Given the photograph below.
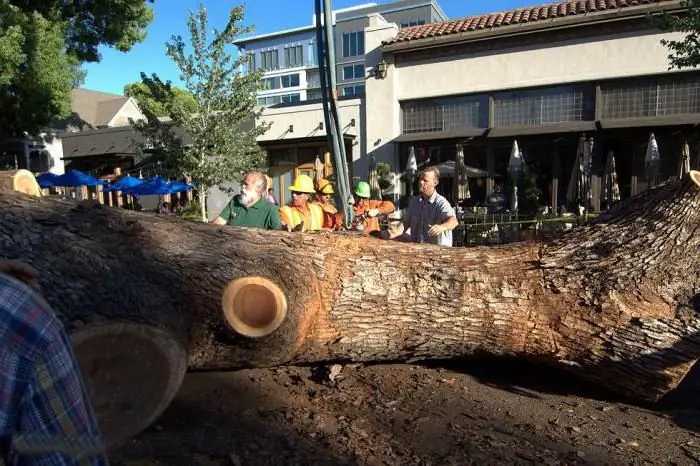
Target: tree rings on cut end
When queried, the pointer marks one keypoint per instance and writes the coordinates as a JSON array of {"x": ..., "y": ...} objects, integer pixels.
[
  {"x": 21, "y": 181},
  {"x": 254, "y": 306},
  {"x": 132, "y": 372},
  {"x": 695, "y": 176}
]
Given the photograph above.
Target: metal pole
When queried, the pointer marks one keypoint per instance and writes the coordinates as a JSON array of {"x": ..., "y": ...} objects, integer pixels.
[{"x": 339, "y": 155}]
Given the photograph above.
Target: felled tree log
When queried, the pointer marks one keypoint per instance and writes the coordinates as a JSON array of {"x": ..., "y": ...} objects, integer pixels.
[
  {"x": 22, "y": 181},
  {"x": 146, "y": 296}
]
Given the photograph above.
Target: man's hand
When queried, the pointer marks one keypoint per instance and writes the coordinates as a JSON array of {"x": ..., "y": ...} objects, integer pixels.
[
  {"x": 20, "y": 271},
  {"x": 219, "y": 221},
  {"x": 373, "y": 212},
  {"x": 435, "y": 230}
]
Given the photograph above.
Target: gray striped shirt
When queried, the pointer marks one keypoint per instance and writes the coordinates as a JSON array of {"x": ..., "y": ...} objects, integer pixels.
[{"x": 422, "y": 214}]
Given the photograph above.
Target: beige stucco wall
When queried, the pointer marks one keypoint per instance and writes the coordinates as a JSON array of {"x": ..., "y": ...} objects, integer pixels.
[
  {"x": 306, "y": 119},
  {"x": 382, "y": 109},
  {"x": 629, "y": 54}
]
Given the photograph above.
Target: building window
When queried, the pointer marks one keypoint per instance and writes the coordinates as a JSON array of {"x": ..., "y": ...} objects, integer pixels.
[
  {"x": 353, "y": 44},
  {"x": 412, "y": 22},
  {"x": 358, "y": 90},
  {"x": 313, "y": 79},
  {"x": 250, "y": 63},
  {"x": 290, "y": 98},
  {"x": 354, "y": 72},
  {"x": 669, "y": 95},
  {"x": 446, "y": 114},
  {"x": 267, "y": 101},
  {"x": 313, "y": 54},
  {"x": 290, "y": 80},
  {"x": 271, "y": 83},
  {"x": 544, "y": 106},
  {"x": 313, "y": 95},
  {"x": 294, "y": 56},
  {"x": 269, "y": 60}
]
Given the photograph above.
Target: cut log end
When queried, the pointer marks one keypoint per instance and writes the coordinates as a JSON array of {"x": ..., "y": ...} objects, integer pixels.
[
  {"x": 21, "y": 181},
  {"x": 131, "y": 372},
  {"x": 254, "y": 306},
  {"x": 695, "y": 176}
]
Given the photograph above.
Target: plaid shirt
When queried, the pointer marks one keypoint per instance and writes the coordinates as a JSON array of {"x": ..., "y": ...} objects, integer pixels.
[{"x": 45, "y": 415}]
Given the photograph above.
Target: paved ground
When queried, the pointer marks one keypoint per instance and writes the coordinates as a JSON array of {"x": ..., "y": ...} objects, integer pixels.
[{"x": 490, "y": 411}]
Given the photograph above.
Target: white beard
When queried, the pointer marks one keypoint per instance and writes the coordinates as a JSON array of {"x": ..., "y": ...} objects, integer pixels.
[{"x": 249, "y": 197}]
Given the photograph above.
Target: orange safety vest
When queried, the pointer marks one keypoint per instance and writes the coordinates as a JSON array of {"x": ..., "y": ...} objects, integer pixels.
[{"x": 312, "y": 218}]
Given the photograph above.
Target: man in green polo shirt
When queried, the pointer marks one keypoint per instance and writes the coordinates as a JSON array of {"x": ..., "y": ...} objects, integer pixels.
[{"x": 249, "y": 208}]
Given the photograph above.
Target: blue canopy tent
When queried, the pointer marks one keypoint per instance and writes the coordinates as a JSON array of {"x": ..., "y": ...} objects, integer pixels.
[
  {"x": 47, "y": 180},
  {"x": 124, "y": 184},
  {"x": 152, "y": 186},
  {"x": 179, "y": 187},
  {"x": 75, "y": 178}
]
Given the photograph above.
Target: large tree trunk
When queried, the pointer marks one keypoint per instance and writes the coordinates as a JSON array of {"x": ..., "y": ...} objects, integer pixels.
[{"x": 613, "y": 301}]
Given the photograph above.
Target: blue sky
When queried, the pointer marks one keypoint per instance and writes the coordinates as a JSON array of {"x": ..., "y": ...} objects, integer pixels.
[{"x": 117, "y": 69}]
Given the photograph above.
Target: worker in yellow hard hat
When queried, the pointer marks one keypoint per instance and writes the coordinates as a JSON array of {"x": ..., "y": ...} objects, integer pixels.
[
  {"x": 301, "y": 214},
  {"x": 324, "y": 198}
]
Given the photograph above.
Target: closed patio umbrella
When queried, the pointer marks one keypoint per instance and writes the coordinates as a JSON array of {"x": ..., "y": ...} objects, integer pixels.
[
  {"x": 319, "y": 168},
  {"x": 411, "y": 170},
  {"x": 461, "y": 179},
  {"x": 684, "y": 168},
  {"x": 516, "y": 164},
  {"x": 611, "y": 189},
  {"x": 373, "y": 179},
  {"x": 652, "y": 162},
  {"x": 576, "y": 191}
]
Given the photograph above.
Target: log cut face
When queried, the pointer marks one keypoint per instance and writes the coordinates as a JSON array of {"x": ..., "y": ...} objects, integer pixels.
[{"x": 613, "y": 301}]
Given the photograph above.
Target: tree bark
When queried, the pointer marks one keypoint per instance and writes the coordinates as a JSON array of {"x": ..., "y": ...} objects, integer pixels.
[{"x": 613, "y": 301}]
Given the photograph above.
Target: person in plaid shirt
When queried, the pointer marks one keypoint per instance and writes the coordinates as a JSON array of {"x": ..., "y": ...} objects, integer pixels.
[{"x": 45, "y": 414}]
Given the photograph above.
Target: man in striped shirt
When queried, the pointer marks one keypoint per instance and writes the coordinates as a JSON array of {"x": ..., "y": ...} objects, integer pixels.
[{"x": 45, "y": 415}]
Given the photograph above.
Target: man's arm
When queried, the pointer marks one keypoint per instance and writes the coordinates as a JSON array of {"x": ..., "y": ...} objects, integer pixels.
[
  {"x": 56, "y": 424},
  {"x": 450, "y": 222},
  {"x": 275, "y": 222},
  {"x": 402, "y": 233},
  {"x": 382, "y": 207},
  {"x": 223, "y": 217}
]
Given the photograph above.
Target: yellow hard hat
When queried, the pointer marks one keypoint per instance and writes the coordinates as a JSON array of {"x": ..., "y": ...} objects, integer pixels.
[
  {"x": 303, "y": 184},
  {"x": 325, "y": 187}
]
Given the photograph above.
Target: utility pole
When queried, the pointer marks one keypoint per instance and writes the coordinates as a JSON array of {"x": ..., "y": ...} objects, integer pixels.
[{"x": 329, "y": 93}]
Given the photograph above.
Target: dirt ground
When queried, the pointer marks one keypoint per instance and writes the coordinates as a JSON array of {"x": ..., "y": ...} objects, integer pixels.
[{"x": 486, "y": 411}]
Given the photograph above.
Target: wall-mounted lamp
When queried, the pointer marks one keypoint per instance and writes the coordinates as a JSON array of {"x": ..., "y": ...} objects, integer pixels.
[
  {"x": 352, "y": 123},
  {"x": 291, "y": 129},
  {"x": 320, "y": 126},
  {"x": 380, "y": 70}
]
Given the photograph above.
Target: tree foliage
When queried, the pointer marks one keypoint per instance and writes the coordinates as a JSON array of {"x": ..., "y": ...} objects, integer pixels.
[
  {"x": 685, "y": 53},
  {"x": 43, "y": 43},
  {"x": 149, "y": 103},
  {"x": 217, "y": 142}
]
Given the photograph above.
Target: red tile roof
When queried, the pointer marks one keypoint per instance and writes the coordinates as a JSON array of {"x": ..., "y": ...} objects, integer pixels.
[{"x": 505, "y": 19}]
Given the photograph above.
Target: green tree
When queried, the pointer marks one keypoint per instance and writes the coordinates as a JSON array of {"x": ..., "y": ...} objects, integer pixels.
[
  {"x": 217, "y": 142},
  {"x": 148, "y": 102},
  {"x": 43, "y": 43},
  {"x": 685, "y": 53}
]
